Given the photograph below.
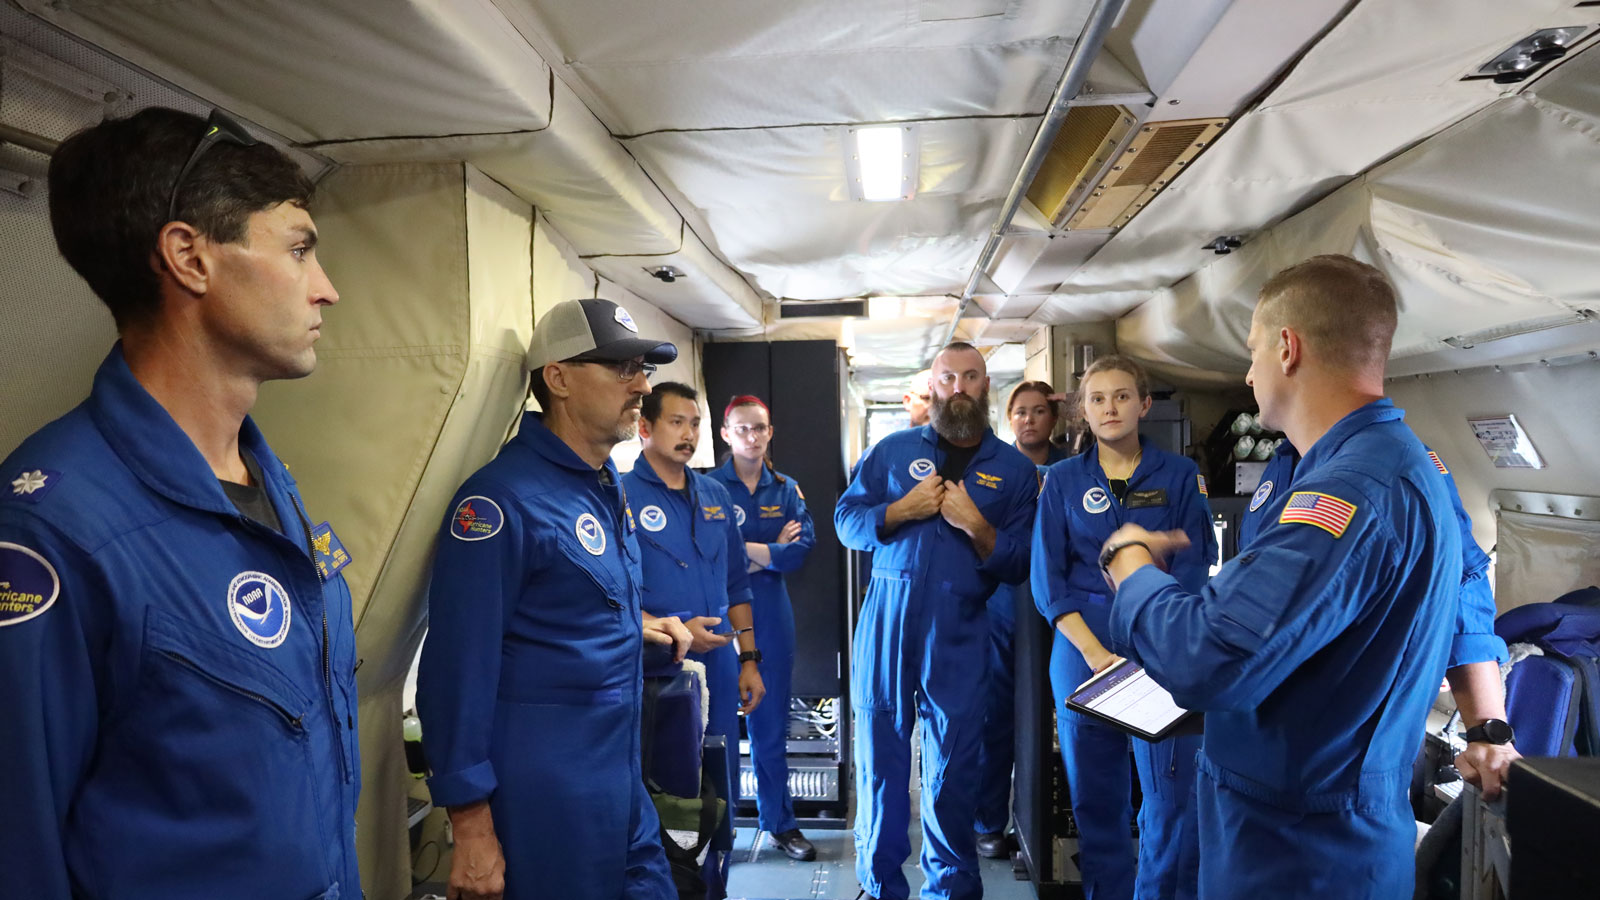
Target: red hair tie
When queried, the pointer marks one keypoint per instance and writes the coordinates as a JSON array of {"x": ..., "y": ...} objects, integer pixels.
[{"x": 744, "y": 400}]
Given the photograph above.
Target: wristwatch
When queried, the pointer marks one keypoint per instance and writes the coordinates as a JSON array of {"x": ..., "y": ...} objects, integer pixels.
[
  {"x": 1491, "y": 731},
  {"x": 750, "y": 656},
  {"x": 1111, "y": 551}
]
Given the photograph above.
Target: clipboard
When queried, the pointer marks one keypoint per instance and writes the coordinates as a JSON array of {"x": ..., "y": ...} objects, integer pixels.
[{"x": 1124, "y": 696}]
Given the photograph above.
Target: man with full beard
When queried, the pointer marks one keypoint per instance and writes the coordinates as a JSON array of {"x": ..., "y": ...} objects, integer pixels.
[
  {"x": 947, "y": 509},
  {"x": 530, "y": 681}
]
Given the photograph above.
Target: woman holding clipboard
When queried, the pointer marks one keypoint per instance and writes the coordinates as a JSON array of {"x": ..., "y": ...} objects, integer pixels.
[{"x": 1122, "y": 479}]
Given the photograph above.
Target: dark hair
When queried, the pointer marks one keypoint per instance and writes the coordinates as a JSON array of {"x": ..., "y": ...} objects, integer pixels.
[
  {"x": 1344, "y": 309},
  {"x": 1038, "y": 387},
  {"x": 650, "y": 407},
  {"x": 109, "y": 187}
]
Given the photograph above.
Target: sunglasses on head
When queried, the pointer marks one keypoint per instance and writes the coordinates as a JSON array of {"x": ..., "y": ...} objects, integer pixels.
[{"x": 220, "y": 129}]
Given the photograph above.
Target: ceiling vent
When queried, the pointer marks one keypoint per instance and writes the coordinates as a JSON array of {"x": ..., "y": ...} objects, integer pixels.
[{"x": 1103, "y": 167}]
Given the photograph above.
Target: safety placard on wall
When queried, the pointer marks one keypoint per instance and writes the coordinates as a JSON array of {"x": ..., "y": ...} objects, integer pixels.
[{"x": 1506, "y": 443}]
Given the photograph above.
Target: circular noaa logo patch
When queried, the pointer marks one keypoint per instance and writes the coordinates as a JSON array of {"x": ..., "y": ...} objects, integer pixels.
[
  {"x": 476, "y": 519},
  {"x": 28, "y": 584},
  {"x": 1260, "y": 496},
  {"x": 921, "y": 468},
  {"x": 259, "y": 607},
  {"x": 593, "y": 537},
  {"x": 738, "y": 515},
  {"x": 1095, "y": 500},
  {"x": 653, "y": 518}
]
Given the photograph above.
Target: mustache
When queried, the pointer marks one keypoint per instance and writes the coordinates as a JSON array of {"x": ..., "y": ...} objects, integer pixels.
[{"x": 685, "y": 446}]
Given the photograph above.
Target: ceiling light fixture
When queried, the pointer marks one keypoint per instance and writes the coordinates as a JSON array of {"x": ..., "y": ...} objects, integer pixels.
[
  {"x": 1521, "y": 60},
  {"x": 881, "y": 162},
  {"x": 1224, "y": 244}
]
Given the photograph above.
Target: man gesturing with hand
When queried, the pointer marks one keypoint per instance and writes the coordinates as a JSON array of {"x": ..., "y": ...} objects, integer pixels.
[{"x": 947, "y": 510}]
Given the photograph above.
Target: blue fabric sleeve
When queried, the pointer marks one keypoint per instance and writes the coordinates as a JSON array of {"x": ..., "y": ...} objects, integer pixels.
[
  {"x": 1008, "y": 562},
  {"x": 474, "y": 584},
  {"x": 789, "y": 557},
  {"x": 738, "y": 561},
  {"x": 1266, "y": 612},
  {"x": 1051, "y": 557},
  {"x": 1193, "y": 566},
  {"x": 50, "y": 667},
  {"x": 859, "y": 516},
  {"x": 1475, "y": 640}
]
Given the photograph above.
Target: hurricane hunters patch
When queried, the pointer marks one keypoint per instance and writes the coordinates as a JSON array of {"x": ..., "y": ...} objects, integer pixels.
[
  {"x": 28, "y": 584},
  {"x": 992, "y": 482},
  {"x": 1203, "y": 491},
  {"x": 1322, "y": 510},
  {"x": 476, "y": 519},
  {"x": 1438, "y": 463}
]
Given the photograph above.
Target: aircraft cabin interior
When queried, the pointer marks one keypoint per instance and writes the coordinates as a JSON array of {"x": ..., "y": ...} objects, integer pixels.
[{"x": 810, "y": 200}]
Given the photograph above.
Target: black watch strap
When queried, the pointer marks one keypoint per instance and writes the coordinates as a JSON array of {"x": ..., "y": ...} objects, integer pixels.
[
  {"x": 1491, "y": 731},
  {"x": 1111, "y": 551},
  {"x": 750, "y": 656}
]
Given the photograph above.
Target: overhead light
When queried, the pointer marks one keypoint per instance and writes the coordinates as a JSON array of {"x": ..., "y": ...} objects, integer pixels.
[
  {"x": 882, "y": 309},
  {"x": 1500, "y": 333},
  {"x": 1527, "y": 56},
  {"x": 1224, "y": 245},
  {"x": 667, "y": 274},
  {"x": 881, "y": 162}
]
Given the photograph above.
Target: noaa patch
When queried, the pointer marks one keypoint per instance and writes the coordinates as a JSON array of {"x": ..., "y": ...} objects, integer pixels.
[
  {"x": 921, "y": 468},
  {"x": 653, "y": 518},
  {"x": 30, "y": 485},
  {"x": 1260, "y": 496},
  {"x": 259, "y": 607},
  {"x": 28, "y": 584},
  {"x": 593, "y": 537},
  {"x": 625, "y": 320},
  {"x": 738, "y": 515},
  {"x": 1095, "y": 500},
  {"x": 476, "y": 518}
]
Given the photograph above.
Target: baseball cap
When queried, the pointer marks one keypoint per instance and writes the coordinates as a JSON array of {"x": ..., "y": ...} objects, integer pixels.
[{"x": 594, "y": 328}]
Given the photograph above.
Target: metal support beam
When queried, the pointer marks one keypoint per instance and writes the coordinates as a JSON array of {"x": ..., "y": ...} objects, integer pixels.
[
  {"x": 1088, "y": 45},
  {"x": 37, "y": 143}
]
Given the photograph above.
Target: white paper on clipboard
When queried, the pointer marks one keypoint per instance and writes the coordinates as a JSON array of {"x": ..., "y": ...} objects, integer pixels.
[{"x": 1128, "y": 696}]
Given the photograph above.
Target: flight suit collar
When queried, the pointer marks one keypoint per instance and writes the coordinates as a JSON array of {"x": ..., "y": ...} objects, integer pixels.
[
  {"x": 1151, "y": 461},
  {"x": 729, "y": 474},
  {"x": 544, "y": 442},
  {"x": 159, "y": 453},
  {"x": 1380, "y": 410},
  {"x": 986, "y": 449},
  {"x": 1052, "y": 456},
  {"x": 647, "y": 472}
]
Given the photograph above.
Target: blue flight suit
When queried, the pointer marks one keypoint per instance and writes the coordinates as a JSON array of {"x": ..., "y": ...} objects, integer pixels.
[
  {"x": 1077, "y": 513},
  {"x": 1475, "y": 640},
  {"x": 531, "y": 677},
  {"x": 921, "y": 652},
  {"x": 760, "y": 516},
  {"x": 695, "y": 565},
  {"x": 1315, "y": 655},
  {"x": 1000, "y": 726},
  {"x": 177, "y": 682}
]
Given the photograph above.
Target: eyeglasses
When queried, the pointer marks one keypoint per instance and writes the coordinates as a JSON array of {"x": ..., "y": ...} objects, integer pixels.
[
  {"x": 222, "y": 129},
  {"x": 626, "y": 369},
  {"x": 758, "y": 429}
]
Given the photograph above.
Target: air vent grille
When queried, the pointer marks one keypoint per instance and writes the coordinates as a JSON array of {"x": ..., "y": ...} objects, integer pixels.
[
  {"x": 1151, "y": 159},
  {"x": 1087, "y": 140}
]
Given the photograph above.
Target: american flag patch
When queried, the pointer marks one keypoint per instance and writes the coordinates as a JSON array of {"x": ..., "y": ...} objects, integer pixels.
[
  {"x": 1322, "y": 510},
  {"x": 1203, "y": 491},
  {"x": 1438, "y": 463}
]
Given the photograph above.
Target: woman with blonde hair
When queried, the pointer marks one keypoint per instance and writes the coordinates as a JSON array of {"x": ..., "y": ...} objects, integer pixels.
[{"x": 1122, "y": 479}]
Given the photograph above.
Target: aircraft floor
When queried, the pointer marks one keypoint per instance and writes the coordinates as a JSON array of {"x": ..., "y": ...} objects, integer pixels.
[{"x": 763, "y": 872}]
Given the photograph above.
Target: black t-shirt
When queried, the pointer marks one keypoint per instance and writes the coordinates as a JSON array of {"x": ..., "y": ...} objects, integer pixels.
[
  {"x": 956, "y": 459},
  {"x": 1119, "y": 489},
  {"x": 251, "y": 500}
]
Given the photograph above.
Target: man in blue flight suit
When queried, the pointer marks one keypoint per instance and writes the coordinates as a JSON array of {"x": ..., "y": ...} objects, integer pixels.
[
  {"x": 531, "y": 678},
  {"x": 947, "y": 510},
  {"x": 1476, "y": 652},
  {"x": 176, "y": 650},
  {"x": 695, "y": 568},
  {"x": 1316, "y": 653}
]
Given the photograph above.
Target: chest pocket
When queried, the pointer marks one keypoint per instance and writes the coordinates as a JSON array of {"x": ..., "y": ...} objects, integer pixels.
[
  {"x": 604, "y": 569},
  {"x": 710, "y": 540}
]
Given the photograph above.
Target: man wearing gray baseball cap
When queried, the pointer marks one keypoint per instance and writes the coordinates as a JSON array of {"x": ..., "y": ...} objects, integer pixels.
[{"x": 530, "y": 681}]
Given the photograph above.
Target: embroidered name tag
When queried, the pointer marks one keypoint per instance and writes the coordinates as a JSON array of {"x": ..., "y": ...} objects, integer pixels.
[
  {"x": 1142, "y": 499},
  {"x": 329, "y": 553}
]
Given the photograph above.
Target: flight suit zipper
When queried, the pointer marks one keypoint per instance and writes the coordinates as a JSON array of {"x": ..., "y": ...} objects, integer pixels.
[
  {"x": 327, "y": 662},
  {"x": 293, "y": 721}
]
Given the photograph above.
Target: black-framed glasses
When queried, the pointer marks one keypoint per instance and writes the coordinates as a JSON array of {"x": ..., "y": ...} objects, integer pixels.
[
  {"x": 222, "y": 128},
  {"x": 626, "y": 369}
]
